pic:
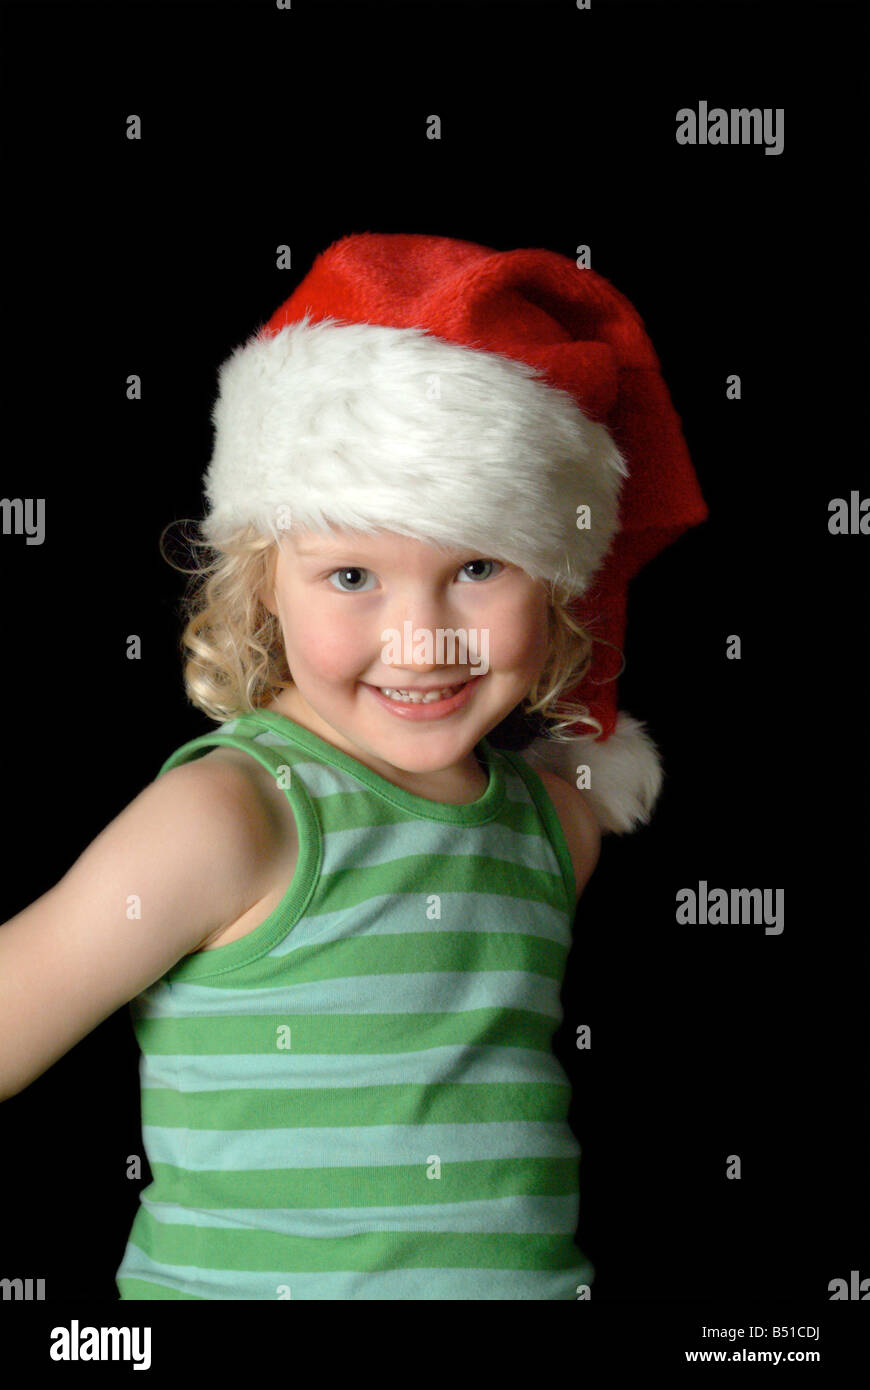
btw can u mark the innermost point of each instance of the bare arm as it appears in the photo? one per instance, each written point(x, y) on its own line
point(189, 855)
point(579, 824)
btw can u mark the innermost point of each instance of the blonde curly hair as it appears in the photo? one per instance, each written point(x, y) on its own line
point(233, 651)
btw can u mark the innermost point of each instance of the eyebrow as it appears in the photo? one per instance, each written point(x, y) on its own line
point(333, 549)
point(329, 552)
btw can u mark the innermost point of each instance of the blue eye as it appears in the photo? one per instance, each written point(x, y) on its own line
point(350, 569)
point(480, 562)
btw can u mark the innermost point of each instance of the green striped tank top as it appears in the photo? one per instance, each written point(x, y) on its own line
point(359, 1099)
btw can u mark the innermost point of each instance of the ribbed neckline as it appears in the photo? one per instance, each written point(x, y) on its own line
point(474, 813)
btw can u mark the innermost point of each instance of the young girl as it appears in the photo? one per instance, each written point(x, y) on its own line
point(342, 918)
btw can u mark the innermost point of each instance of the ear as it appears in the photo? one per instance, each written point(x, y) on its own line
point(267, 598)
point(266, 591)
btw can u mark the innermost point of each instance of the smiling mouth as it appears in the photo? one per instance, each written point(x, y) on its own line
point(421, 695)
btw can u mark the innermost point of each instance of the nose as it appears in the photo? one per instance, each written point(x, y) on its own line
point(418, 649)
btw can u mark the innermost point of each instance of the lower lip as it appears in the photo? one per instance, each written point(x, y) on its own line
point(435, 709)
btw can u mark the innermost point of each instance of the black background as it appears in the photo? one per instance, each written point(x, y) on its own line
point(263, 127)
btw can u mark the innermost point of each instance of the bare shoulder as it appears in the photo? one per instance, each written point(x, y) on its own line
point(236, 804)
point(263, 829)
point(579, 825)
point(253, 790)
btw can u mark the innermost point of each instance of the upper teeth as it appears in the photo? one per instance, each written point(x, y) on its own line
point(417, 698)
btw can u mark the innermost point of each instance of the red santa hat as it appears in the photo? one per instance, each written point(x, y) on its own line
point(477, 399)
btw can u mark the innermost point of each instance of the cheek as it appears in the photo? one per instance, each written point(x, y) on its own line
point(518, 636)
point(328, 645)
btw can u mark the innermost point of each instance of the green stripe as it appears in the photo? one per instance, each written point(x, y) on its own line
point(439, 873)
point(137, 1289)
point(346, 1034)
point(271, 1250)
point(396, 1104)
point(392, 1184)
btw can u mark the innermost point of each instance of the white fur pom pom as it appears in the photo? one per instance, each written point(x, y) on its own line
point(626, 772)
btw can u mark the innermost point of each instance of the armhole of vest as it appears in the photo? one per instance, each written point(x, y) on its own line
point(552, 824)
point(309, 861)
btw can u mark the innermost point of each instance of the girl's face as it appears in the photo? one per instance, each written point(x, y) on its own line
point(341, 598)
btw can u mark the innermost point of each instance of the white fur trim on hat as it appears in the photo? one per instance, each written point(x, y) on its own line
point(625, 772)
point(365, 427)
